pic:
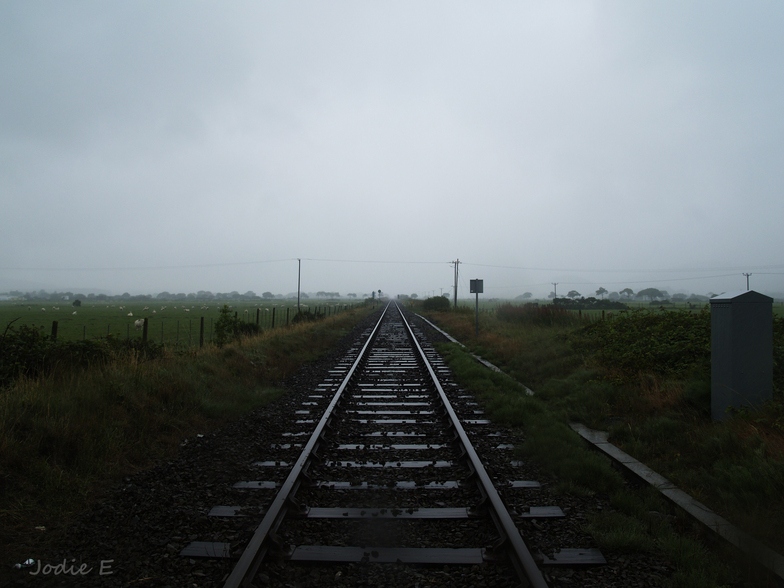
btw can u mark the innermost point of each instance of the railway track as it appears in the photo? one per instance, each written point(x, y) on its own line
point(378, 475)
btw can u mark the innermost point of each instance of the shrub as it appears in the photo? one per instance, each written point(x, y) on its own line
point(230, 328)
point(533, 314)
point(307, 317)
point(667, 343)
point(436, 303)
point(29, 352)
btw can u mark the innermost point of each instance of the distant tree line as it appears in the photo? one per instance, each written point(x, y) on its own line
point(201, 295)
point(652, 295)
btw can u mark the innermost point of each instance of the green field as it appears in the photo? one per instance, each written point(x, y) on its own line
point(173, 323)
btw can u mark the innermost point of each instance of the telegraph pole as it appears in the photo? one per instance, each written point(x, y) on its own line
point(747, 280)
point(555, 290)
point(299, 273)
point(457, 264)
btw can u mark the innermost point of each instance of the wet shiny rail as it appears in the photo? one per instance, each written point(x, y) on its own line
point(388, 430)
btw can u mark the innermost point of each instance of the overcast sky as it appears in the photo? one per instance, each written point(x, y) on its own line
point(183, 146)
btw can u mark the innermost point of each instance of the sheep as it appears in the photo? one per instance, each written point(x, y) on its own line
point(187, 309)
point(146, 308)
point(138, 323)
point(130, 314)
point(43, 310)
point(74, 312)
point(153, 312)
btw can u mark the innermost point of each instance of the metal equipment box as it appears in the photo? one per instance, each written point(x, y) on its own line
point(741, 351)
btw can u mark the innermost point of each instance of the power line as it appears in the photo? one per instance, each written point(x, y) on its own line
point(628, 271)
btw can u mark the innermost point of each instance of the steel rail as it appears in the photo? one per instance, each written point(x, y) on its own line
point(251, 558)
point(521, 558)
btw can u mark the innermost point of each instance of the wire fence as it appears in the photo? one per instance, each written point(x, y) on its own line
point(182, 332)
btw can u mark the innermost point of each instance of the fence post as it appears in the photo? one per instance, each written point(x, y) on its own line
point(54, 330)
point(201, 333)
point(144, 332)
point(287, 316)
point(273, 317)
point(190, 324)
point(258, 311)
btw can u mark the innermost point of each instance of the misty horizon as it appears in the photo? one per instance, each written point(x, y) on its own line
point(210, 146)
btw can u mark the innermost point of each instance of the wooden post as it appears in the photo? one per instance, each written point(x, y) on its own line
point(258, 311)
point(54, 330)
point(201, 333)
point(273, 317)
point(144, 332)
point(287, 317)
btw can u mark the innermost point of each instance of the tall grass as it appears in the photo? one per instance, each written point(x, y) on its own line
point(65, 435)
point(644, 378)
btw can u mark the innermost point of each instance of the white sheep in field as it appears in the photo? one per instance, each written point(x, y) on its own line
point(43, 310)
point(74, 312)
point(187, 309)
point(146, 308)
point(130, 314)
point(138, 323)
point(153, 312)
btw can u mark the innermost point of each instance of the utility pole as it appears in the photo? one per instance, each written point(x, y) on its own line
point(747, 280)
point(555, 290)
point(457, 264)
point(299, 273)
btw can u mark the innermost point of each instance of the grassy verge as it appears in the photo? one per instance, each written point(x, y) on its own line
point(65, 436)
point(659, 417)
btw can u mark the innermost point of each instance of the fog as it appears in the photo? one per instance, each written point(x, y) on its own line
point(181, 146)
